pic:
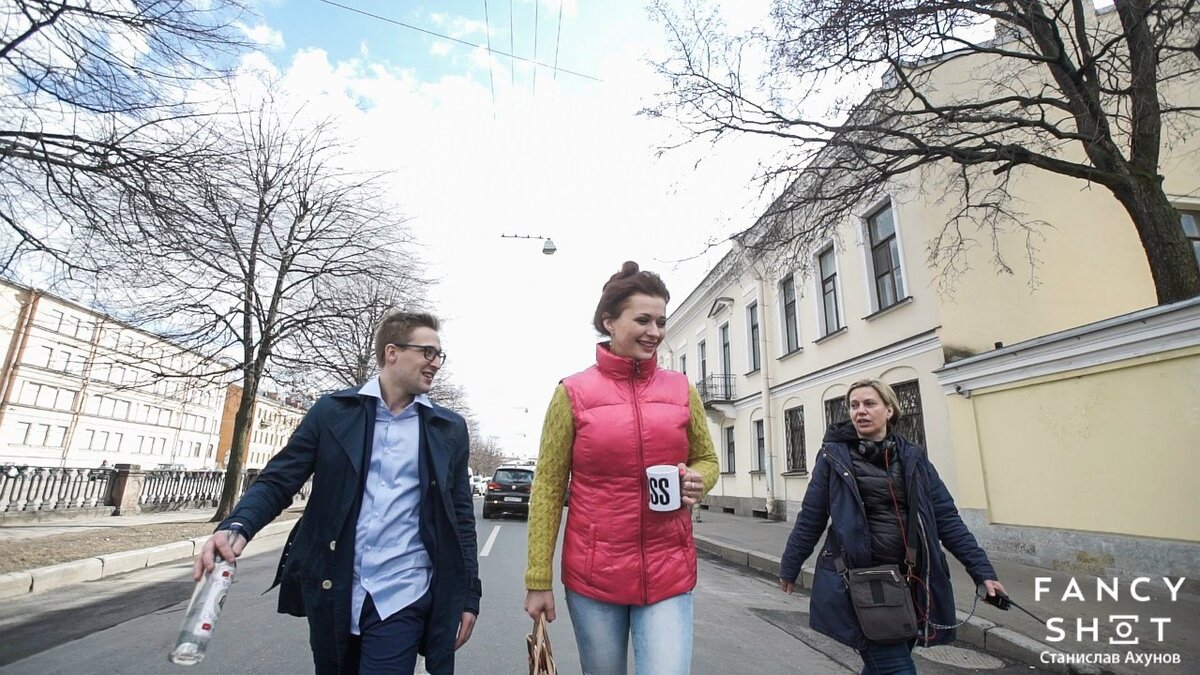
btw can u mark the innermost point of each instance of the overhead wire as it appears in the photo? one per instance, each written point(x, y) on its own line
point(536, 5)
point(487, 28)
point(456, 40)
point(512, 47)
point(557, 41)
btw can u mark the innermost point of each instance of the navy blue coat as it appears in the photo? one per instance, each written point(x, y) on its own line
point(833, 498)
point(332, 445)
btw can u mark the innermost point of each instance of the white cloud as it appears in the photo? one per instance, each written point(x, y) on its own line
point(570, 161)
point(262, 35)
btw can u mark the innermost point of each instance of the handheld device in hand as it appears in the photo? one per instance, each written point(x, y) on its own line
point(999, 600)
point(1002, 601)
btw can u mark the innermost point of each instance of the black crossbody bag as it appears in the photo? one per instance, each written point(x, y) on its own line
point(881, 597)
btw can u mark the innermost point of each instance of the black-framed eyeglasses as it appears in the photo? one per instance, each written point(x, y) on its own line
point(430, 352)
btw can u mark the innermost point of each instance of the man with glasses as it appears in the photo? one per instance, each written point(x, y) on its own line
point(383, 562)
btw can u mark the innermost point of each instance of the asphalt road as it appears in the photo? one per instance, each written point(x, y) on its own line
point(128, 624)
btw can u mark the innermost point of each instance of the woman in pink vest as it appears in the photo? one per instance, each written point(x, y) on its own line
point(629, 570)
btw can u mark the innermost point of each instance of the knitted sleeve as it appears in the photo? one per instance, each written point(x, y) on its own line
point(702, 456)
point(549, 488)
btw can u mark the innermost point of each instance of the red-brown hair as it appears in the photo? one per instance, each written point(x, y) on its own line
point(629, 281)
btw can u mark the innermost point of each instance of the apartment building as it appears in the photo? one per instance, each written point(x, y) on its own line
point(79, 388)
point(275, 418)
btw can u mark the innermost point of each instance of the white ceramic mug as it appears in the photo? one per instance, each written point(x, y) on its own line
point(662, 482)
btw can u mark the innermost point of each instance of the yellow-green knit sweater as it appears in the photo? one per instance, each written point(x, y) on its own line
point(554, 468)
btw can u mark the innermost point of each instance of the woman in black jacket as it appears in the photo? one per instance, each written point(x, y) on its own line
point(865, 482)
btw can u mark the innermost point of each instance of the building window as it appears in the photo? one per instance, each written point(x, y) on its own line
point(1191, 227)
point(23, 432)
point(885, 258)
point(831, 315)
point(836, 411)
point(64, 399)
point(726, 354)
point(729, 451)
point(752, 320)
point(43, 357)
point(760, 446)
point(912, 421)
point(683, 363)
point(40, 435)
point(787, 295)
point(56, 438)
point(702, 352)
point(793, 425)
point(725, 381)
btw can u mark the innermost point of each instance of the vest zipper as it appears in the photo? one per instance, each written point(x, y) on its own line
point(637, 418)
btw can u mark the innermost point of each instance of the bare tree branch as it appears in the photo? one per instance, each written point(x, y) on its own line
point(1059, 88)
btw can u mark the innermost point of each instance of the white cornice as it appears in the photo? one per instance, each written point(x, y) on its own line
point(1142, 333)
point(871, 361)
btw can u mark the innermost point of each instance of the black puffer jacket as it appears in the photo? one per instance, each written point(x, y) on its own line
point(885, 518)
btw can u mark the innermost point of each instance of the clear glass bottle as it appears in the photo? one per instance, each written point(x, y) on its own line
point(203, 610)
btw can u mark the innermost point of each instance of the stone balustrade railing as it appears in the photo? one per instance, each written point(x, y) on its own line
point(44, 488)
point(35, 491)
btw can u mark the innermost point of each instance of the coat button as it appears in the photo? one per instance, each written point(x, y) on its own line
point(327, 584)
point(333, 545)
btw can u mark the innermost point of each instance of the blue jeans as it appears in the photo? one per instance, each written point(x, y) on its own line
point(888, 659)
point(662, 635)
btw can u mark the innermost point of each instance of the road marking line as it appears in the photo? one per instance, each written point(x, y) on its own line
point(487, 546)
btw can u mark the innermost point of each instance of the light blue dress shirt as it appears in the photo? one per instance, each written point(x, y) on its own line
point(390, 560)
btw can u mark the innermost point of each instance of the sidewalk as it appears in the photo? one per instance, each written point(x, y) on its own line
point(43, 579)
point(32, 530)
point(758, 544)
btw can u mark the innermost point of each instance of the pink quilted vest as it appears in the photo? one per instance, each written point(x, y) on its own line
point(628, 415)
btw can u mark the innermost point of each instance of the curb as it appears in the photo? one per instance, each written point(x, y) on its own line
point(42, 579)
point(977, 632)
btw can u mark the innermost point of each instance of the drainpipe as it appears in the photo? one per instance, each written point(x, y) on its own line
point(16, 348)
point(764, 345)
point(767, 414)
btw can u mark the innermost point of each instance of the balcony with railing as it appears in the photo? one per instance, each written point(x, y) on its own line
point(717, 388)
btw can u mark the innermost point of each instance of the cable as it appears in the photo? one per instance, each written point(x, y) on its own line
point(512, 47)
point(536, 5)
point(557, 40)
point(487, 25)
point(454, 39)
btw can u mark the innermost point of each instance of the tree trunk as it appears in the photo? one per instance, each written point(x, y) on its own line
point(1168, 251)
point(243, 420)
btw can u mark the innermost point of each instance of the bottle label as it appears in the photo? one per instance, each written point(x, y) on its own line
point(214, 599)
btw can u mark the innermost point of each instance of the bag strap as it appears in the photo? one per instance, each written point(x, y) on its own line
point(910, 550)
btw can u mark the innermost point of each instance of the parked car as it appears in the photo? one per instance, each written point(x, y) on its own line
point(478, 485)
point(508, 491)
point(170, 467)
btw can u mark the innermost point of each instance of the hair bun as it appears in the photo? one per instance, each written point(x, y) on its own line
point(628, 269)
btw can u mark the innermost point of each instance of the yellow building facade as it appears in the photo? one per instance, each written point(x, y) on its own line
point(1047, 464)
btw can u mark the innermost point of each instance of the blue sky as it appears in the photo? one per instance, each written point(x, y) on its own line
point(569, 159)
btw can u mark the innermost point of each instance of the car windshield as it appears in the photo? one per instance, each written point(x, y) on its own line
point(513, 476)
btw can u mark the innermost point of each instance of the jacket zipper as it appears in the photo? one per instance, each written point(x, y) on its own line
point(637, 417)
point(848, 476)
